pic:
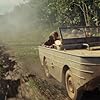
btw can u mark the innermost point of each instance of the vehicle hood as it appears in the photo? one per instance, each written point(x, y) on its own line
point(92, 52)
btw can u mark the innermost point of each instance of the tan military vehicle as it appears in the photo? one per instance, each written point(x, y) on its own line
point(76, 63)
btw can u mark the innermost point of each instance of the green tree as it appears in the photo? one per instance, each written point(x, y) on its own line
point(71, 12)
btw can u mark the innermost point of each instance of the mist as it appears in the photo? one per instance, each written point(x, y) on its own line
point(22, 23)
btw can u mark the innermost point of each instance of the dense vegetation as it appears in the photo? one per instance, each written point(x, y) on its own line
point(71, 12)
point(34, 20)
point(38, 15)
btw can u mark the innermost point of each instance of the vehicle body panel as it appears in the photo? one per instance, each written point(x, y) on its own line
point(83, 67)
point(80, 55)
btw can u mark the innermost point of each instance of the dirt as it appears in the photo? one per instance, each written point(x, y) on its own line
point(26, 80)
point(50, 91)
point(19, 82)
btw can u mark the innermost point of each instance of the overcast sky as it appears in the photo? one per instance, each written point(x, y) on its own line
point(8, 5)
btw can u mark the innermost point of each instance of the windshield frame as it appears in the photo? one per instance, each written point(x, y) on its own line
point(77, 27)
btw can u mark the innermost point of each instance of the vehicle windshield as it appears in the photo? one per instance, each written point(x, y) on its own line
point(79, 32)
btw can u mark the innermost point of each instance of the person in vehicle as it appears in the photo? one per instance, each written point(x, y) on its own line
point(52, 38)
point(88, 34)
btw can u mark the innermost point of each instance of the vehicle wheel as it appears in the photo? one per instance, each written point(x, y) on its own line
point(46, 68)
point(70, 87)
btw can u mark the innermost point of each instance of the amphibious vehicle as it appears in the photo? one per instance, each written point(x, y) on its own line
point(76, 63)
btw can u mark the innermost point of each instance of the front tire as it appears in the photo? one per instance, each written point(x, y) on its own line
point(70, 87)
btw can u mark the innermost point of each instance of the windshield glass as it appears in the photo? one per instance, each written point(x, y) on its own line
point(79, 32)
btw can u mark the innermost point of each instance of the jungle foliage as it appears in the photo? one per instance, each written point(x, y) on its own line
point(70, 12)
